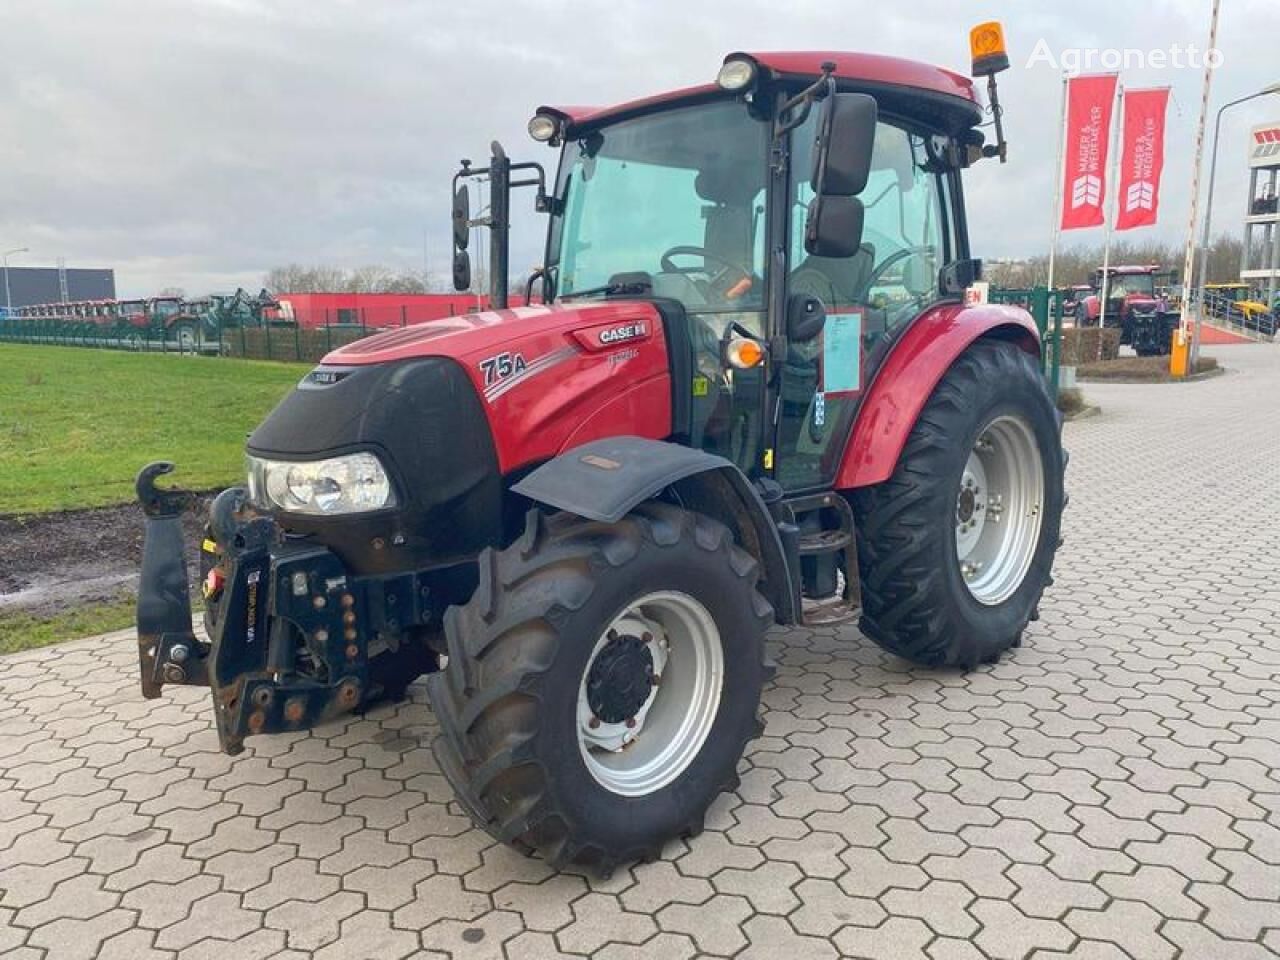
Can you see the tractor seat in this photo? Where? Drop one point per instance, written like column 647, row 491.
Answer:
column 836, row 281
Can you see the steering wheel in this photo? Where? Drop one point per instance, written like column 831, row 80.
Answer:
column 896, row 257
column 715, row 279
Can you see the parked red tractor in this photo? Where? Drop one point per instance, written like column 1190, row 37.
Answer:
column 753, row 395
column 1144, row 319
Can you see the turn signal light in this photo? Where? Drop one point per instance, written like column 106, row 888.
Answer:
column 986, row 47
column 744, row 353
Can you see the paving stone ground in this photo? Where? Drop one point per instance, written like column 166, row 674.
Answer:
column 1109, row 790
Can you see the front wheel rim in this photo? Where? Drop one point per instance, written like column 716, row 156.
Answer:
column 999, row 509
column 636, row 739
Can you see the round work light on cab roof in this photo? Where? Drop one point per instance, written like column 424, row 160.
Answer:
column 544, row 127
column 736, row 74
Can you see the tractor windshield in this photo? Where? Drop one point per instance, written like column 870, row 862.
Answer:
column 1125, row 284
column 673, row 201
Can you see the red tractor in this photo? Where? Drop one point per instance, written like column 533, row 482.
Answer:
column 752, row 395
column 1144, row 319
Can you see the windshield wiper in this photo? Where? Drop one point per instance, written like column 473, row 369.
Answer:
column 621, row 286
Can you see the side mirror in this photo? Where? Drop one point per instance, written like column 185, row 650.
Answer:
column 461, row 270
column 806, row 317
column 847, row 133
column 834, row 226
column 461, row 217
column 958, row 276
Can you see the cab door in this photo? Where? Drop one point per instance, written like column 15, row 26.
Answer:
column 868, row 297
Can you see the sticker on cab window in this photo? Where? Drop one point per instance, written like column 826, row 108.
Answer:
column 842, row 353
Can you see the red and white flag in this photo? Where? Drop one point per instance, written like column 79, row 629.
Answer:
column 1090, row 102
column 1142, row 157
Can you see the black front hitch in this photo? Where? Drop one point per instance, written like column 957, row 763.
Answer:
column 168, row 650
column 288, row 628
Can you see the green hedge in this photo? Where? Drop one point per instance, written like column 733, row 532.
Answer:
column 1082, row 345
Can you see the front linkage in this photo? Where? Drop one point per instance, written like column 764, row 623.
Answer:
column 288, row 628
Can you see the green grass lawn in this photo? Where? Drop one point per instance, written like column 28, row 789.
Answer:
column 22, row 631
column 76, row 424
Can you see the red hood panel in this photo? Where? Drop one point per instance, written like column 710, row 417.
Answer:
column 459, row 336
column 551, row 377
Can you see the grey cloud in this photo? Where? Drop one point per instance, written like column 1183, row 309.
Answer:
column 199, row 144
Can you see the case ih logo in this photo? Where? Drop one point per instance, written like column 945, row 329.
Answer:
column 1086, row 191
column 631, row 331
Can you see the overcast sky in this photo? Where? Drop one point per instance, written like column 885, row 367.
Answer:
column 198, row 144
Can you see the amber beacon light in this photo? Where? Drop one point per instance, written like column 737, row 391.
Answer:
column 986, row 46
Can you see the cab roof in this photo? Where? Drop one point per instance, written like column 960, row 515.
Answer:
column 904, row 86
column 1131, row 269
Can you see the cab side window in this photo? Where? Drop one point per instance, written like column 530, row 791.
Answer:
column 888, row 281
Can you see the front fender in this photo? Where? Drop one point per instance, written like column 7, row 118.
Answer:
column 908, row 376
column 604, row 479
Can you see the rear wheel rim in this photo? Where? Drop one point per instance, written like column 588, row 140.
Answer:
column 999, row 509
column 650, row 693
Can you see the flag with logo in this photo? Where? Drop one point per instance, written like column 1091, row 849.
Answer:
column 1090, row 101
column 1141, row 157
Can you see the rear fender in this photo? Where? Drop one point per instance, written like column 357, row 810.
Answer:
column 605, row 479
column 908, row 376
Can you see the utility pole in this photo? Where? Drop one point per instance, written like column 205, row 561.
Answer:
column 8, row 300
column 1185, row 328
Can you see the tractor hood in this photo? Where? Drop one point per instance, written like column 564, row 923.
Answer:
column 544, row 378
column 1141, row 301
column 451, row 407
column 477, row 334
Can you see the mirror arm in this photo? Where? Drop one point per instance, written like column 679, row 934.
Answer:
column 528, row 287
column 824, row 86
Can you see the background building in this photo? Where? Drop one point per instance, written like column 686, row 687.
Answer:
column 28, row 285
column 1260, row 259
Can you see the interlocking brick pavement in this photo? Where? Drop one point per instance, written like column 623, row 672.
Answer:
column 1111, row 789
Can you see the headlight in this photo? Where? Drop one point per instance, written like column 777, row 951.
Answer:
column 736, row 74
column 356, row 483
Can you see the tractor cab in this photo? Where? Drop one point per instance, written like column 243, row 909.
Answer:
column 1126, row 285
column 789, row 221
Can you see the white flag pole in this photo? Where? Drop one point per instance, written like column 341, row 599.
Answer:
column 1109, row 221
column 1057, row 192
column 1185, row 328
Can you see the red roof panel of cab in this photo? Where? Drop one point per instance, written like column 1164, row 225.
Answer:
column 870, row 68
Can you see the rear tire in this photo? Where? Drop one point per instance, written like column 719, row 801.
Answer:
column 523, row 656
column 917, row 602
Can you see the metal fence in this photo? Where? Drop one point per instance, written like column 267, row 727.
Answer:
column 290, row 342
column 308, row 343
column 1223, row 310
column 1047, row 309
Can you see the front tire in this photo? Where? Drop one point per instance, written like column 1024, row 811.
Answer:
column 955, row 548
column 602, row 683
